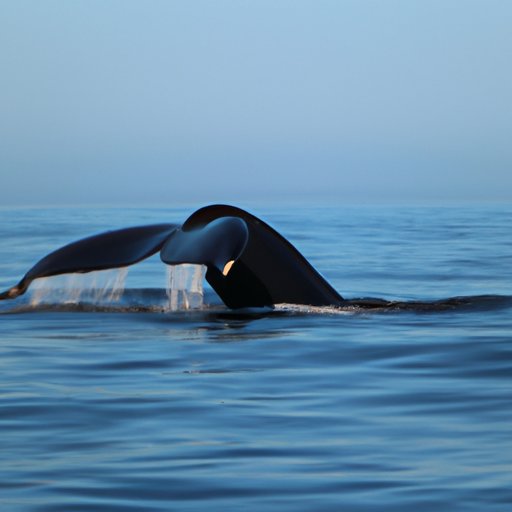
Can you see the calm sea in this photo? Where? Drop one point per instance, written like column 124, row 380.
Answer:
column 130, row 407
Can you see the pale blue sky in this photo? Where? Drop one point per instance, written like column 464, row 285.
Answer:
column 134, row 102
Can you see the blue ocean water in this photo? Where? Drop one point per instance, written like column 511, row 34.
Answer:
column 135, row 408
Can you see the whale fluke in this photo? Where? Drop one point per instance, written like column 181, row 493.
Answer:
column 249, row 264
column 269, row 270
column 217, row 244
column 112, row 249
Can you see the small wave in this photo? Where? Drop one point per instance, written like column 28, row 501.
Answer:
column 304, row 309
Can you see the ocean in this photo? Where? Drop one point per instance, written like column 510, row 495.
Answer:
column 117, row 402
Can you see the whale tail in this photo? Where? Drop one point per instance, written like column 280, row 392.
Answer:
column 249, row 264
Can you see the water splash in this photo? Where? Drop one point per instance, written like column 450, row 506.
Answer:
column 102, row 286
column 185, row 286
column 311, row 310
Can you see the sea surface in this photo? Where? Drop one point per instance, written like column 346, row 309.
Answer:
column 115, row 402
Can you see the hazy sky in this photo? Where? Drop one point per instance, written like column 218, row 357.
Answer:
column 181, row 101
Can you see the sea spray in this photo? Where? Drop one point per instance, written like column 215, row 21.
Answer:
column 98, row 287
column 185, row 286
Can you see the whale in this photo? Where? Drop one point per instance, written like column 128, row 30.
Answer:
column 248, row 263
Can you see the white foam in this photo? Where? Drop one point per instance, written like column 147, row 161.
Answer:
column 306, row 309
